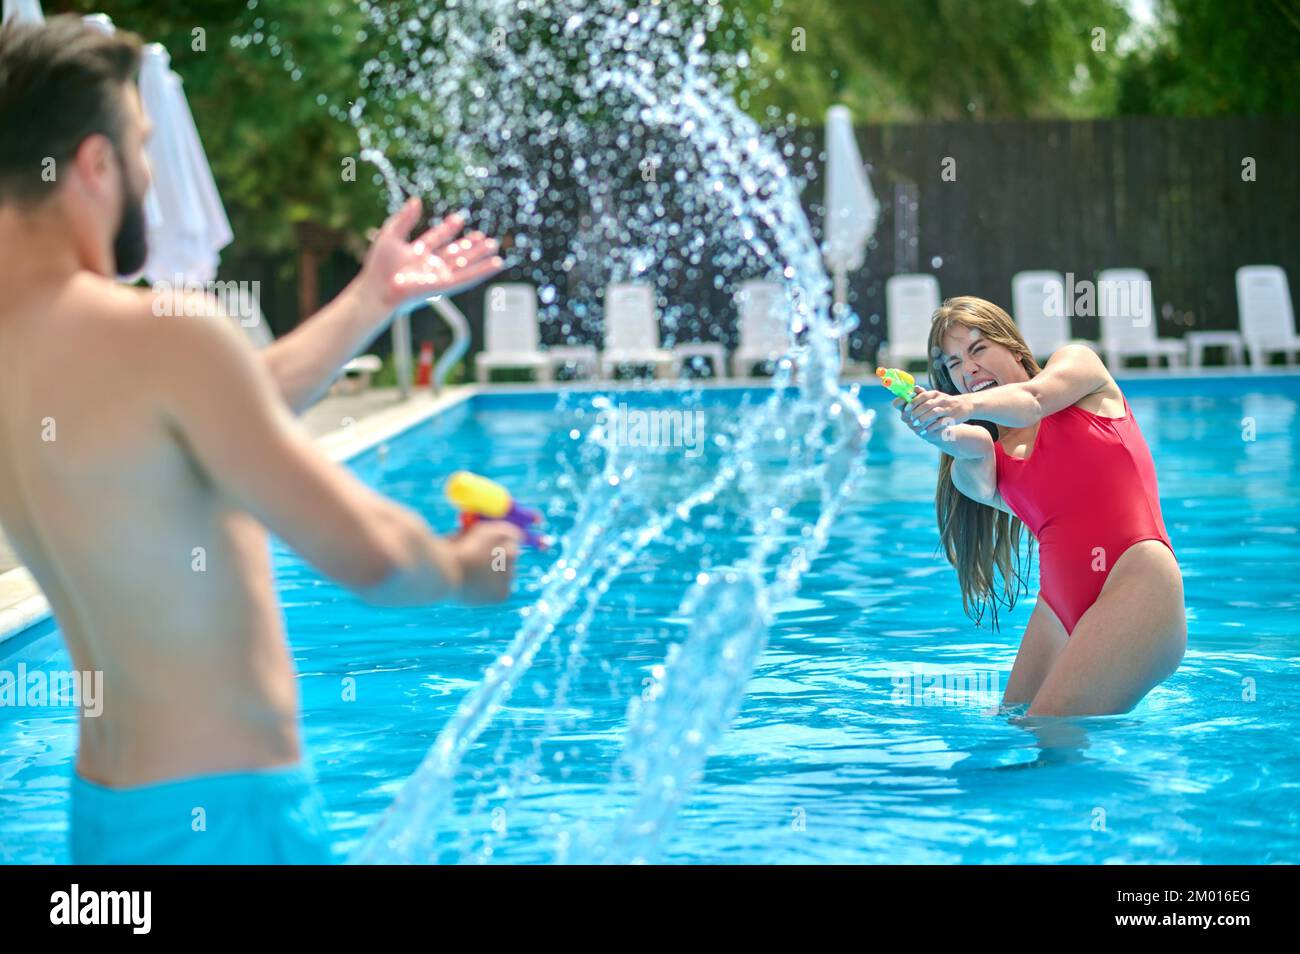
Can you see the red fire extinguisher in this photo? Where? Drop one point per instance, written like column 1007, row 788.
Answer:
column 424, row 373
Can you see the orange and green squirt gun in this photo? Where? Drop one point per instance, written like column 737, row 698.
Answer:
column 900, row 383
column 478, row 498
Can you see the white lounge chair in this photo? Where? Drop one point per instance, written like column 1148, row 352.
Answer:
column 1041, row 312
column 1267, row 316
column 764, row 326
column 910, row 304
column 580, row 360
column 632, row 330
column 1128, row 320
column 714, row 352
column 357, row 373
column 1034, row 298
column 510, row 336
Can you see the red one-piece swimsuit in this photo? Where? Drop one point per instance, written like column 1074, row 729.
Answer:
column 1087, row 492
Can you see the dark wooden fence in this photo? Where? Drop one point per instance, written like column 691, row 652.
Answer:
column 1188, row 200
column 1172, row 196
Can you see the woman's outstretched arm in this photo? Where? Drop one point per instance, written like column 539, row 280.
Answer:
column 1073, row 372
column 974, row 469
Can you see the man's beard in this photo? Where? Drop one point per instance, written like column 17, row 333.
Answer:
column 131, row 244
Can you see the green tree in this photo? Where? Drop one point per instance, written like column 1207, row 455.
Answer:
column 1209, row 58
column 268, row 80
column 261, row 78
column 934, row 59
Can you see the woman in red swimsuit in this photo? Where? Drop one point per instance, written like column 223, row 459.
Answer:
column 1069, row 463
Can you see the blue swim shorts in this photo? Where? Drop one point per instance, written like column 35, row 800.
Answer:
column 263, row 816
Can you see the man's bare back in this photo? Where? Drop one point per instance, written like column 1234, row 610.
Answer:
column 140, row 458
column 157, row 579
column 143, row 459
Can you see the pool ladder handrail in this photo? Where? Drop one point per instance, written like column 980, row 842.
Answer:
column 402, row 344
column 459, row 339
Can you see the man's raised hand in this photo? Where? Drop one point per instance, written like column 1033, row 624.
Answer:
column 398, row 272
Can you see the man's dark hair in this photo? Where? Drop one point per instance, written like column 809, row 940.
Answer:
column 60, row 81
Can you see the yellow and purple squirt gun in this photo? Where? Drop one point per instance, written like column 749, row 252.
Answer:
column 900, row 383
column 478, row 498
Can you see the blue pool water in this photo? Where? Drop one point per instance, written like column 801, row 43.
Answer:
column 827, row 761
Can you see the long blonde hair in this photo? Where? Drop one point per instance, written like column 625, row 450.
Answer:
column 975, row 537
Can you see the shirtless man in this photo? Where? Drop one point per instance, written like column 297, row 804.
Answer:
column 127, row 440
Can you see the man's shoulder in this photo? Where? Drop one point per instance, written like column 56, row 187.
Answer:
column 162, row 314
column 139, row 302
column 87, row 293
column 164, row 343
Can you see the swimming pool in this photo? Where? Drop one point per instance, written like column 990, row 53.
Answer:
column 842, row 751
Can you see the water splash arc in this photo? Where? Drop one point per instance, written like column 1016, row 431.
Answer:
column 793, row 460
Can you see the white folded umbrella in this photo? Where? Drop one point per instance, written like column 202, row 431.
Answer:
column 851, row 207
column 23, row 10
column 193, row 227
column 187, row 223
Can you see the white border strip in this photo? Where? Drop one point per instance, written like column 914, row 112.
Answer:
column 22, row 604
column 347, row 442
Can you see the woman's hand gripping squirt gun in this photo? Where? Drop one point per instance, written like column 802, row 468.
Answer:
column 900, row 383
column 478, row 498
